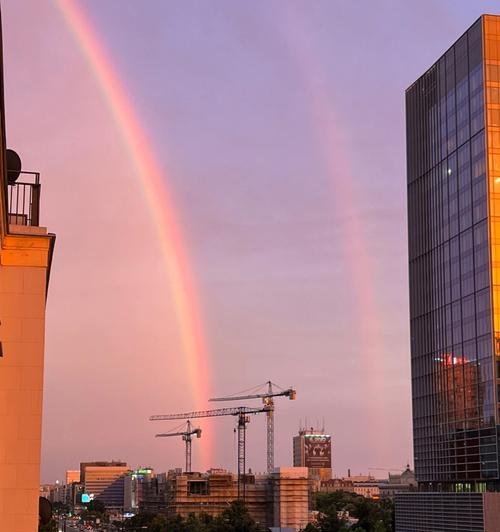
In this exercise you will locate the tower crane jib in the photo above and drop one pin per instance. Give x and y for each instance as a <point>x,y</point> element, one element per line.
<point>243,414</point>
<point>268,401</point>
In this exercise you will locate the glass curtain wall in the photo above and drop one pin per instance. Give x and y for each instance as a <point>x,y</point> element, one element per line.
<point>453,382</point>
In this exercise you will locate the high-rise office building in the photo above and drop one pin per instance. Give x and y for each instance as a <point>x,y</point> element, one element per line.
<point>313,449</point>
<point>453,165</point>
<point>25,258</point>
<point>104,481</point>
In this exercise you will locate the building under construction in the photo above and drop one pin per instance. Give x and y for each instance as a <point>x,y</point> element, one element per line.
<point>279,499</point>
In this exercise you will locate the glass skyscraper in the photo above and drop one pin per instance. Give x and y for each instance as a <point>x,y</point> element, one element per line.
<point>453,172</point>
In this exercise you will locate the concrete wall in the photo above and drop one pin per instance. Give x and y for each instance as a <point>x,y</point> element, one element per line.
<point>23,279</point>
<point>290,489</point>
<point>491,502</point>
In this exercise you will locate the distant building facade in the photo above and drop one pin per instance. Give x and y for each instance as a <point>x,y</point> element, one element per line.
<point>370,490</point>
<point>399,483</point>
<point>155,493</point>
<point>104,481</point>
<point>72,475</point>
<point>67,494</point>
<point>313,449</point>
<point>336,484</point>
<point>135,484</point>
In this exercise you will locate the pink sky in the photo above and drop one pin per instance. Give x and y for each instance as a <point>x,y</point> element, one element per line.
<point>281,128</point>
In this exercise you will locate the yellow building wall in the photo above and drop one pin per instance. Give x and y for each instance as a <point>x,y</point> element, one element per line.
<point>491,47</point>
<point>23,280</point>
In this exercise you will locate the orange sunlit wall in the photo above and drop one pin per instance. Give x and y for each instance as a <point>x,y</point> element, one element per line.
<point>492,100</point>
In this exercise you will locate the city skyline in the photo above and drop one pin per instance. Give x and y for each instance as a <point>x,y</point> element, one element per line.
<point>298,250</point>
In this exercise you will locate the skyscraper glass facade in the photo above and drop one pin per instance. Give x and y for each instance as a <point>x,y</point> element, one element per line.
<point>452,225</point>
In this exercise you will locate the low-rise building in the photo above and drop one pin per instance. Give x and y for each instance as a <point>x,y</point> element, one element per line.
<point>66,494</point>
<point>370,490</point>
<point>336,484</point>
<point>402,483</point>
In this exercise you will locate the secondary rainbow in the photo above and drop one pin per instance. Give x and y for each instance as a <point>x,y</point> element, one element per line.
<point>155,187</point>
<point>337,159</point>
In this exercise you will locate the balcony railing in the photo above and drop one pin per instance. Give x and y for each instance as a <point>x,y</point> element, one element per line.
<point>23,198</point>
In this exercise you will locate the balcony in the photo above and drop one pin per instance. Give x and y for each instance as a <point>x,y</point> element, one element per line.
<point>23,200</point>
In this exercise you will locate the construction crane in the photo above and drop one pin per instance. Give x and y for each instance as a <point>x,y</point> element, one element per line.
<point>187,435</point>
<point>268,400</point>
<point>243,415</point>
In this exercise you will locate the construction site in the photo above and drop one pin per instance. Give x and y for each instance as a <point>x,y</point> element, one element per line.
<point>278,498</point>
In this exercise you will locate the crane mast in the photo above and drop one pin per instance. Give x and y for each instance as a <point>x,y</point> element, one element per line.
<point>268,401</point>
<point>187,438</point>
<point>243,415</point>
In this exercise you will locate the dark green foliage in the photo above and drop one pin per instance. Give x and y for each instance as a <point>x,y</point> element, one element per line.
<point>235,519</point>
<point>95,510</point>
<point>51,526</point>
<point>372,515</point>
<point>60,507</point>
<point>96,506</point>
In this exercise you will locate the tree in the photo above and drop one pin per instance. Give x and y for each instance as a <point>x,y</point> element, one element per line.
<point>51,526</point>
<point>60,507</point>
<point>159,524</point>
<point>373,515</point>
<point>94,510</point>
<point>138,520</point>
<point>96,506</point>
<point>236,518</point>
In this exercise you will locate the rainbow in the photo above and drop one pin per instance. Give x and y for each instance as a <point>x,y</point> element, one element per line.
<point>337,162</point>
<point>157,195</point>
<point>372,357</point>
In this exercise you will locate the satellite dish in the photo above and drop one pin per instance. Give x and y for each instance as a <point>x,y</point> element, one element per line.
<point>13,166</point>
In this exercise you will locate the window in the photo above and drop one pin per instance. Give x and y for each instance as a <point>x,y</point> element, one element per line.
<point>198,487</point>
